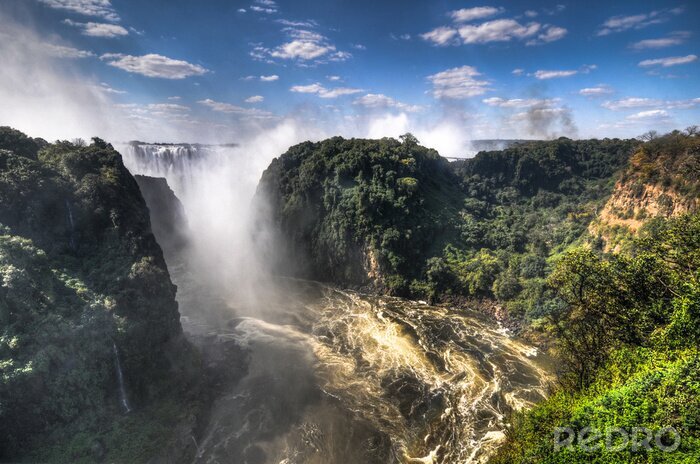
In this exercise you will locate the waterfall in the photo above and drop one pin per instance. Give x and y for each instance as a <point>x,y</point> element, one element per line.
<point>73,242</point>
<point>215,184</point>
<point>120,380</point>
<point>180,164</point>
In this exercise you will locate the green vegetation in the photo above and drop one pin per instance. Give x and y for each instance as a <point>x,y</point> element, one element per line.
<point>486,227</point>
<point>81,273</point>
<point>342,204</point>
<point>530,228</point>
<point>18,143</point>
<point>630,339</point>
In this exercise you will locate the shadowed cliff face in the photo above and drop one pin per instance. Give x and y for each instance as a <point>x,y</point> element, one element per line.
<point>88,311</point>
<point>167,214</point>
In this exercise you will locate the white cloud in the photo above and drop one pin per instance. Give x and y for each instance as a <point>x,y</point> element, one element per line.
<point>470,14</point>
<point>500,30</point>
<point>675,38</point>
<point>62,51</point>
<point>308,23</point>
<point>264,6</point>
<point>550,34</point>
<point>305,46</point>
<point>637,21</point>
<point>98,8</point>
<point>520,102</point>
<point>637,102</point>
<point>378,100</point>
<point>683,104</point>
<point>255,99</point>
<point>630,102</point>
<point>99,29</point>
<point>270,78</point>
<point>531,13</point>
<point>543,74</point>
<point>311,88</point>
<point>458,83</point>
<point>323,92</point>
<point>441,35</point>
<point>333,78</point>
<point>518,71</point>
<point>167,107</point>
<point>669,61</point>
<point>622,23</point>
<point>651,114</point>
<point>598,91</point>
<point>228,108</point>
<point>153,65</point>
<point>301,49</point>
<point>108,89</point>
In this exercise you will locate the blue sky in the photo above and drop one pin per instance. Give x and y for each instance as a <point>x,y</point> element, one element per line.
<point>449,71</point>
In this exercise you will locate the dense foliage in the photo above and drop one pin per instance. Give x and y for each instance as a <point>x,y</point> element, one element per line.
<point>356,210</point>
<point>523,206</point>
<point>82,282</point>
<point>484,227</point>
<point>630,337</point>
<point>19,143</point>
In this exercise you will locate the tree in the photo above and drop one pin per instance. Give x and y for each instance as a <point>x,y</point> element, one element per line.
<point>409,139</point>
<point>610,300</point>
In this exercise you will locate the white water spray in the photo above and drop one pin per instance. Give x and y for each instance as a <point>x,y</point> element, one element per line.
<point>123,399</point>
<point>71,222</point>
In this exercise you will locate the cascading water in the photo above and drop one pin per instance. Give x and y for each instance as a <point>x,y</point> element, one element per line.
<point>71,222</point>
<point>333,376</point>
<point>123,399</point>
<point>215,184</point>
<point>337,377</point>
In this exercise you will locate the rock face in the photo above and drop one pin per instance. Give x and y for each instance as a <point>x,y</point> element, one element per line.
<point>81,278</point>
<point>167,214</point>
<point>360,212</point>
<point>661,180</point>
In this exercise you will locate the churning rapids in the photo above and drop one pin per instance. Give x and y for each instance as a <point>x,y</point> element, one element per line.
<point>339,377</point>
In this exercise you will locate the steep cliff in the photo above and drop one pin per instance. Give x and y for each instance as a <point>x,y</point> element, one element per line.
<point>361,212</point>
<point>167,214</point>
<point>89,325</point>
<point>662,179</point>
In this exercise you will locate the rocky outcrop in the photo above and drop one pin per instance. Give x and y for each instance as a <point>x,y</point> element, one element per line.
<point>167,214</point>
<point>84,294</point>
<point>661,180</point>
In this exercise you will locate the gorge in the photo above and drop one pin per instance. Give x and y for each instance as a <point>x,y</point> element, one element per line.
<point>333,376</point>
<point>350,300</point>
